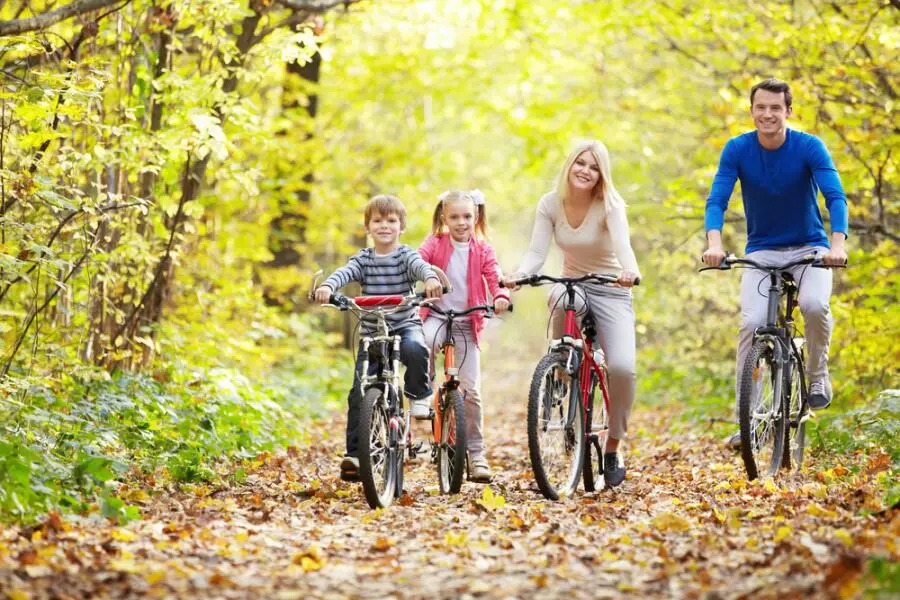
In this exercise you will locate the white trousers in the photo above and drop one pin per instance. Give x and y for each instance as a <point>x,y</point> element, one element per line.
<point>468,361</point>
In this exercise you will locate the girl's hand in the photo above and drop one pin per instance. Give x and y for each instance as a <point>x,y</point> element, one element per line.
<point>501,305</point>
<point>323,294</point>
<point>433,288</point>
<point>627,278</point>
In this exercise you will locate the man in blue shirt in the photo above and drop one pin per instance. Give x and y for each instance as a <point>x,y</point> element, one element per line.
<point>781,172</point>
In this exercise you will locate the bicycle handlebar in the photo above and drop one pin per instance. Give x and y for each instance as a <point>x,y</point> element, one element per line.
<point>374,303</point>
<point>538,279</point>
<point>809,259</point>
<point>487,308</point>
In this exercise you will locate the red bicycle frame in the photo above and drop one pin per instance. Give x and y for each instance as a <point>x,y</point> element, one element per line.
<point>587,364</point>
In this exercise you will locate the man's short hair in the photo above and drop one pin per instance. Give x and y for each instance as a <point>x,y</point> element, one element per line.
<point>385,205</point>
<point>775,86</point>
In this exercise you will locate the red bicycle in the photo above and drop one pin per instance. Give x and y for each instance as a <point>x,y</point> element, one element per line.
<point>562,423</point>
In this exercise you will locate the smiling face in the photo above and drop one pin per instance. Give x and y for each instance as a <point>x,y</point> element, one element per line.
<point>385,230</point>
<point>585,172</point>
<point>770,112</point>
<point>459,218</point>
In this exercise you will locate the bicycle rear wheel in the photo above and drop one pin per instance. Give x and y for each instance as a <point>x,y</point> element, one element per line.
<point>761,411</point>
<point>598,425</point>
<point>795,443</point>
<point>556,443</point>
<point>377,450</point>
<point>451,453</point>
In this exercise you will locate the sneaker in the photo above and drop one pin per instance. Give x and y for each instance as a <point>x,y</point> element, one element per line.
<point>734,440</point>
<point>350,468</point>
<point>820,394</point>
<point>479,469</point>
<point>613,473</point>
<point>421,409</point>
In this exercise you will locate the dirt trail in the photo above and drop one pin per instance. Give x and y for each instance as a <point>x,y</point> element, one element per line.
<point>684,524</point>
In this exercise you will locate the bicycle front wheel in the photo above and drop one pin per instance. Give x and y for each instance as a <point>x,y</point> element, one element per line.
<point>377,450</point>
<point>451,452</point>
<point>761,412</point>
<point>556,442</point>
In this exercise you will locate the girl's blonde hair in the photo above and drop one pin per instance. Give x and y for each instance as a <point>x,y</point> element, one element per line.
<point>450,196</point>
<point>605,191</point>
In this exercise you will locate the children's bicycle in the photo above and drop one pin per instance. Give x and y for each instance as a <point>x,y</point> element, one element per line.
<point>562,423</point>
<point>449,423</point>
<point>772,394</point>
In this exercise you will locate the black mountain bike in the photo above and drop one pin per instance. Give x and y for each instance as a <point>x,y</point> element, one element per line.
<point>773,393</point>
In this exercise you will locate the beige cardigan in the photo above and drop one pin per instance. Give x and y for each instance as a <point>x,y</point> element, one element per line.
<point>601,244</point>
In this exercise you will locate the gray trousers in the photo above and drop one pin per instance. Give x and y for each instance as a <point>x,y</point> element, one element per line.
<point>813,298</point>
<point>468,361</point>
<point>614,321</point>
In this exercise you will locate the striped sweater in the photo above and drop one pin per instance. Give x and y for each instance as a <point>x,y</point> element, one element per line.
<point>384,274</point>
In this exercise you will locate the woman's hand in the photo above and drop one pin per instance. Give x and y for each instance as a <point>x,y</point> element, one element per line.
<point>323,294</point>
<point>501,305</point>
<point>627,278</point>
<point>507,282</point>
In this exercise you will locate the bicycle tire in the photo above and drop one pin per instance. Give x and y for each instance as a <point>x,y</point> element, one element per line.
<point>451,454</point>
<point>378,473</point>
<point>761,366</point>
<point>541,403</point>
<point>795,442</point>
<point>598,414</point>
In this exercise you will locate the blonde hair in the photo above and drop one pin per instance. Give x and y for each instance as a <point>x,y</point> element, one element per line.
<point>450,196</point>
<point>385,205</point>
<point>605,191</point>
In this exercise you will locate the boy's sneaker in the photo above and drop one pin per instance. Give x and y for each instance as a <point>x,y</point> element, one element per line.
<point>350,468</point>
<point>734,440</point>
<point>479,469</point>
<point>613,473</point>
<point>421,409</point>
<point>820,394</point>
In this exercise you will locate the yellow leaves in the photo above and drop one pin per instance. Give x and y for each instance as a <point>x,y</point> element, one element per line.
<point>782,533</point>
<point>670,522</point>
<point>844,537</point>
<point>372,516</point>
<point>123,535</point>
<point>816,490</point>
<point>311,559</point>
<point>771,487</point>
<point>490,501</point>
<point>460,539</point>
<point>154,577</point>
<point>18,594</point>
<point>587,520</point>
<point>815,510</point>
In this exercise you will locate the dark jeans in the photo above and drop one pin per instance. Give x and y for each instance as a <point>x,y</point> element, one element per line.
<point>416,383</point>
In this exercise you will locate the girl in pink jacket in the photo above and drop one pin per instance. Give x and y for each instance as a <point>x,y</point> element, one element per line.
<point>457,246</point>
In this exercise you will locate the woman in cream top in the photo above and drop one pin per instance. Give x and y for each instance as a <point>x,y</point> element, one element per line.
<point>585,215</point>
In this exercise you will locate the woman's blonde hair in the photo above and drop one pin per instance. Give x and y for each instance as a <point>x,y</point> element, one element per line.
<point>605,191</point>
<point>473,196</point>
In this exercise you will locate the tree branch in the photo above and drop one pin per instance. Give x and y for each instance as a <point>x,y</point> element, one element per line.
<point>875,228</point>
<point>79,7</point>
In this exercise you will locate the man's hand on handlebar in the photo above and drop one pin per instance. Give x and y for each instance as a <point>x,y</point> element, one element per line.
<point>323,294</point>
<point>713,256</point>
<point>836,257</point>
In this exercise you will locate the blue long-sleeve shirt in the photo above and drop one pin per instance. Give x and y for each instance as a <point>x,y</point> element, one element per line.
<point>780,190</point>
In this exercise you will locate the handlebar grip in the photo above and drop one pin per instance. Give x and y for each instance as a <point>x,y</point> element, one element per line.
<point>510,309</point>
<point>637,281</point>
<point>446,289</point>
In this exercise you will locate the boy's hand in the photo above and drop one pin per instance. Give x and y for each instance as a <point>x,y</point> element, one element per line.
<point>433,288</point>
<point>323,294</point>
<point>501,305</point>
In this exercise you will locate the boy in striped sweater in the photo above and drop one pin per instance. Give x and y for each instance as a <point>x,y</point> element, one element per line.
<point>386,268</point>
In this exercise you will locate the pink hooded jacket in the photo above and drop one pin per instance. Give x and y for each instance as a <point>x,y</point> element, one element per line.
<point>483,273</point>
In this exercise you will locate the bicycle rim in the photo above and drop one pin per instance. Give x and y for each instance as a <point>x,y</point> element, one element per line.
<point>556,443</point>
<point>760,412</point>
<point>796,434</point>
<point>377,455</point>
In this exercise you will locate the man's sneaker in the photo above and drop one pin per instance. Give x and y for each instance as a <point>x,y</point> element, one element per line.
<point>820,394</point>
<point>734,440</point>
<point>421,409</point>
<point>479,469</point>
<point>613,473</point>
<point>350,468</point>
